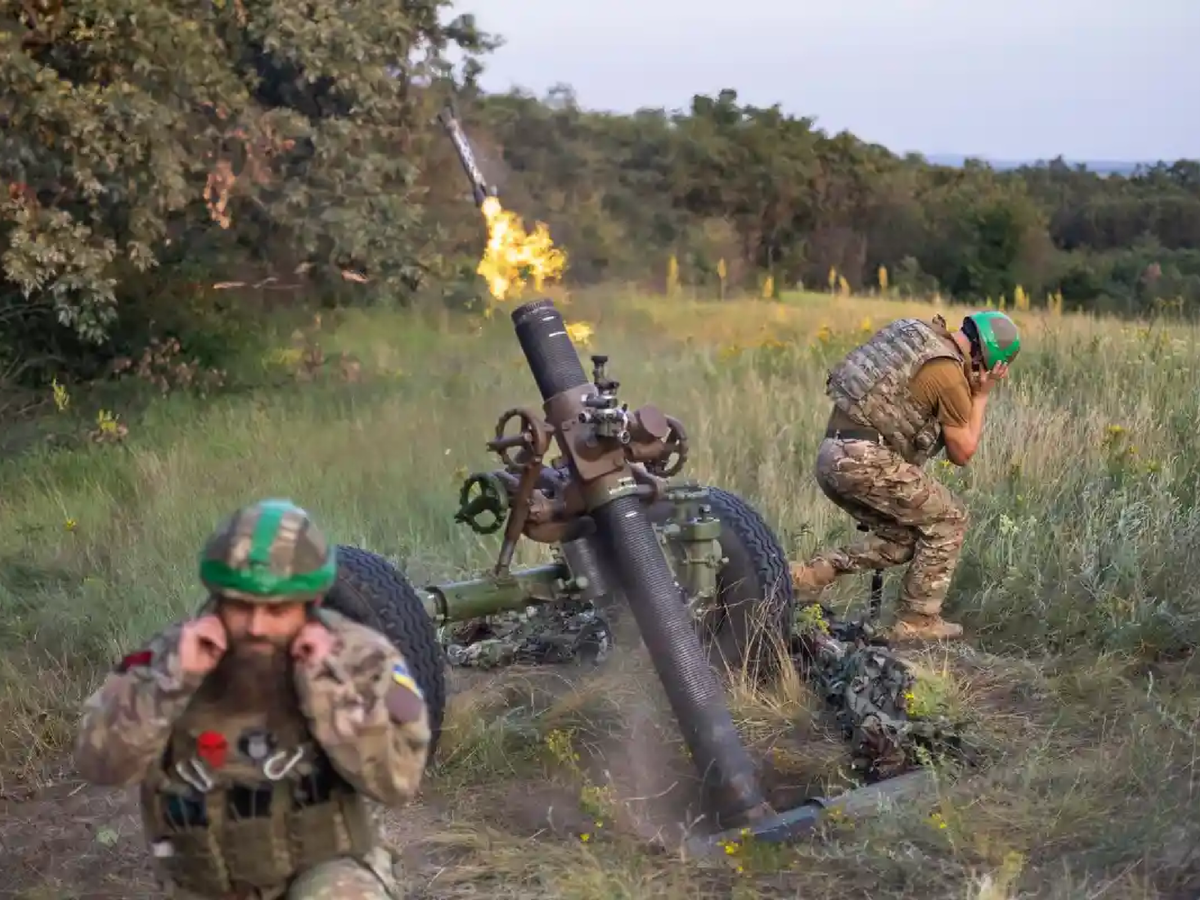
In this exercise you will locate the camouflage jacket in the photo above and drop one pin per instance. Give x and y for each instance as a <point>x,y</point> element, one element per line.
<point>239,796</point>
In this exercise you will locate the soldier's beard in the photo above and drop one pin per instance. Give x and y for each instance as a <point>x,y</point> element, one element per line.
<point>257,677</point>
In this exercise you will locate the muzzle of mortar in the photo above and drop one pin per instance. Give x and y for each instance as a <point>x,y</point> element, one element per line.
<point>599,441</point>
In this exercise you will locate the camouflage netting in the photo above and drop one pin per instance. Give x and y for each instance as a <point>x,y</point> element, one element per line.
<point>870,690</point>
<point>568,632</point>
<point>876,696</point>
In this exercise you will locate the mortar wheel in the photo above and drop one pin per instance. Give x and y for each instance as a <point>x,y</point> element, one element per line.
<point>373,592</point>
<point>750,624</point>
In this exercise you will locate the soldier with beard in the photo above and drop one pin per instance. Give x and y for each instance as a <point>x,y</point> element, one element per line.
<point>257,729</point>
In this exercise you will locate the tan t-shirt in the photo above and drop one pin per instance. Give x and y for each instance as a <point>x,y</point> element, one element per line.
<point>941,387</point>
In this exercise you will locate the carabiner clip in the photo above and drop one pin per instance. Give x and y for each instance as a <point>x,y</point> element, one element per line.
<point>279,764</point>
<point>195,773</point>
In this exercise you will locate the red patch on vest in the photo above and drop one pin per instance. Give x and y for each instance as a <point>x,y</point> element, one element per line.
<point>212,747</point>
<point>141,658</point>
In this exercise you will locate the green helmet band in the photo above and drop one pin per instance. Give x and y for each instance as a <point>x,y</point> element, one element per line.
<point>262,582</point>
<point>255,576</point>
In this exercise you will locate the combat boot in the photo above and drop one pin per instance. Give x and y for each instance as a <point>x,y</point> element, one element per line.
<point>809,579</point>
<point>916,627</point>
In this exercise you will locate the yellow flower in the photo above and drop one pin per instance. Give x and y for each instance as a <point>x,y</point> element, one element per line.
<point>61,398</point>
<point>580,333</point>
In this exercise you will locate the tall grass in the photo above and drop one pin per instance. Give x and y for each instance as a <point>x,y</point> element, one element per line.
<point>1080,566</point>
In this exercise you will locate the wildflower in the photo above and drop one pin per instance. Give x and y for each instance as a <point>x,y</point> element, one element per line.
<point>580,333</point>
<point>108,428</point>
<point>812,617</point>
<point>61,398</point>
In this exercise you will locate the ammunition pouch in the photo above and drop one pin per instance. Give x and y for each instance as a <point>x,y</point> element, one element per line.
<point>239,836</point>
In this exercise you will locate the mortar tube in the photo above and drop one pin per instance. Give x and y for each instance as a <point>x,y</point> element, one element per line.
<point>630,546</point>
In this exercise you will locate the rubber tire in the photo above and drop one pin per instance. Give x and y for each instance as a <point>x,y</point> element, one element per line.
<point>373,592</point>
<point>753,587</point>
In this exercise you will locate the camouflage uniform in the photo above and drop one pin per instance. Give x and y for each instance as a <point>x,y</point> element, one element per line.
<point>253,779</point>
<point>913,518</point>
<point>870,464</point>
<point>540,635</point>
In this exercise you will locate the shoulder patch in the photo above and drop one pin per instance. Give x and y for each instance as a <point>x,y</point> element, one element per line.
<point>135,660</point>
<point>402,677</point>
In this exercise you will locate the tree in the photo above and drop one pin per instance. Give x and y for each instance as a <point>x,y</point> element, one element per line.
<point>134,133</point>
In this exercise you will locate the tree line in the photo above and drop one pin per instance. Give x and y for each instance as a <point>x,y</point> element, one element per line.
<point>172,170</point>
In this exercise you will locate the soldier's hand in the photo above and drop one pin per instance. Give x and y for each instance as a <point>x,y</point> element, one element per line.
<point>988,380</point>
<point>202,643</point>
<point>312,644</point>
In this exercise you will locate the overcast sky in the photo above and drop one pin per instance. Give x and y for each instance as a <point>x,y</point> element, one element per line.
<point>1096,79</point>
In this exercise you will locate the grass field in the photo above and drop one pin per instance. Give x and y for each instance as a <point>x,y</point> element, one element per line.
<point>1079,587</point>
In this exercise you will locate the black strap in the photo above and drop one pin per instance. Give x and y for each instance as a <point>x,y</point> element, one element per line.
<point>854,434</point>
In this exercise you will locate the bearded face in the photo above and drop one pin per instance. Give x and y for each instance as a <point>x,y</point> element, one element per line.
<point>261,627</point>
<point>257,665</point>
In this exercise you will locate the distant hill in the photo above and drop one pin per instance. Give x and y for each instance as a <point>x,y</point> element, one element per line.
<point>1100,166</point>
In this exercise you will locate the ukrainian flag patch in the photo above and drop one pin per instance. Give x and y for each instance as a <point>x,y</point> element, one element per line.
<point>403,677</point>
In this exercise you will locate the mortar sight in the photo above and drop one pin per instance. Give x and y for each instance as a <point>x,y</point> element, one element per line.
<point>606,450</point>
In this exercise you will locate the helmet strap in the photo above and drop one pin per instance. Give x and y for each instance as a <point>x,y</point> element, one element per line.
<point>971,330</point>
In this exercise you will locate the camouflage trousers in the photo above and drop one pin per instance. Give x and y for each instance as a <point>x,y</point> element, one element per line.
<point>540,635</point>
<point>344,878</point>
<point>913,518</point>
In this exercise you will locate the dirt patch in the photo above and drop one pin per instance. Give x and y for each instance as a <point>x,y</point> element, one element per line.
<point>73,842</point>
<point>558,781</point>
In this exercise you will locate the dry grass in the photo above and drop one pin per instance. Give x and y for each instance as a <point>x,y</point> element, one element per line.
<point>1078,587</point>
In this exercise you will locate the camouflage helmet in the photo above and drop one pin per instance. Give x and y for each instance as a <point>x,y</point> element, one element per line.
<point>268,552</point>
<point>995,334</point>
